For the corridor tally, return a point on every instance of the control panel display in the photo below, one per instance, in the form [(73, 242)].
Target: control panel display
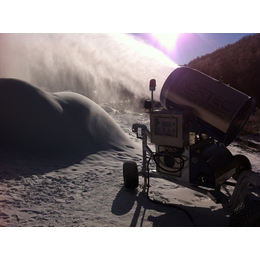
[(166, 126)]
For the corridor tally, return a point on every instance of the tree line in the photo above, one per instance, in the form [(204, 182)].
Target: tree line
[(236, 64)]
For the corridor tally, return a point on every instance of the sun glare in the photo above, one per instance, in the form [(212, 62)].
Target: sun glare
[(167, 40), (145, 50)]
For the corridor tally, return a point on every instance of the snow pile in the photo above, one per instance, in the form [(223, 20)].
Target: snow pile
[(64, 122)]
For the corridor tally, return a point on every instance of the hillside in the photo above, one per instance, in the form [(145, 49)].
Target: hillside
[(236, 64)]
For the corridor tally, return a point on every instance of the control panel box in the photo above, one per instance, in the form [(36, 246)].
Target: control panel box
[(169, 128)]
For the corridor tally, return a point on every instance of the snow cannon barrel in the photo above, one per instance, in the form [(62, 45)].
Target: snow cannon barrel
[(220, 111)]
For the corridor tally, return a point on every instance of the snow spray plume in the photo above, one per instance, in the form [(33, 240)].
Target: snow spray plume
[(104, 67)]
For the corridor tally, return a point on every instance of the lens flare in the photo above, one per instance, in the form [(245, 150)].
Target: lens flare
[(167, 40)]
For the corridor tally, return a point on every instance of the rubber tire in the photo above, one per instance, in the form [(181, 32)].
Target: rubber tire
[(247, 214), (130, 174), (242, 164)]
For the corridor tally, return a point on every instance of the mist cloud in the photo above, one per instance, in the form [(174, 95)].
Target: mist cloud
[(103, 67)]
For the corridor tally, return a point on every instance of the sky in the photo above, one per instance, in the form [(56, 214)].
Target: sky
[(184, 47)]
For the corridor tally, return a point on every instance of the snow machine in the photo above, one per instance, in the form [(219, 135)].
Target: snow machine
[(186, 143)]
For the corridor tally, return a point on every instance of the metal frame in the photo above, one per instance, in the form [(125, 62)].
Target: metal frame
[(247, 184)]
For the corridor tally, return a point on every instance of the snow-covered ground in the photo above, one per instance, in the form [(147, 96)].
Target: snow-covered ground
[(90, 192)]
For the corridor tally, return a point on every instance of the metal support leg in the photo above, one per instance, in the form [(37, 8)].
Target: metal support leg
[(146, 149), (241, 189)]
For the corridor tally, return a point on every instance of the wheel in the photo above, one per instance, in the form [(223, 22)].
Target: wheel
[(242, 164), (130, 174), (246, 214)]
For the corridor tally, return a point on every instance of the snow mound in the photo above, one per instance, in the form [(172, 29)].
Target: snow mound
[(65, 122)]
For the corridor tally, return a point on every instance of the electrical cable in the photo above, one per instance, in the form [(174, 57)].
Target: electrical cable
[(166, 170), (173, 153), (160, 202)]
